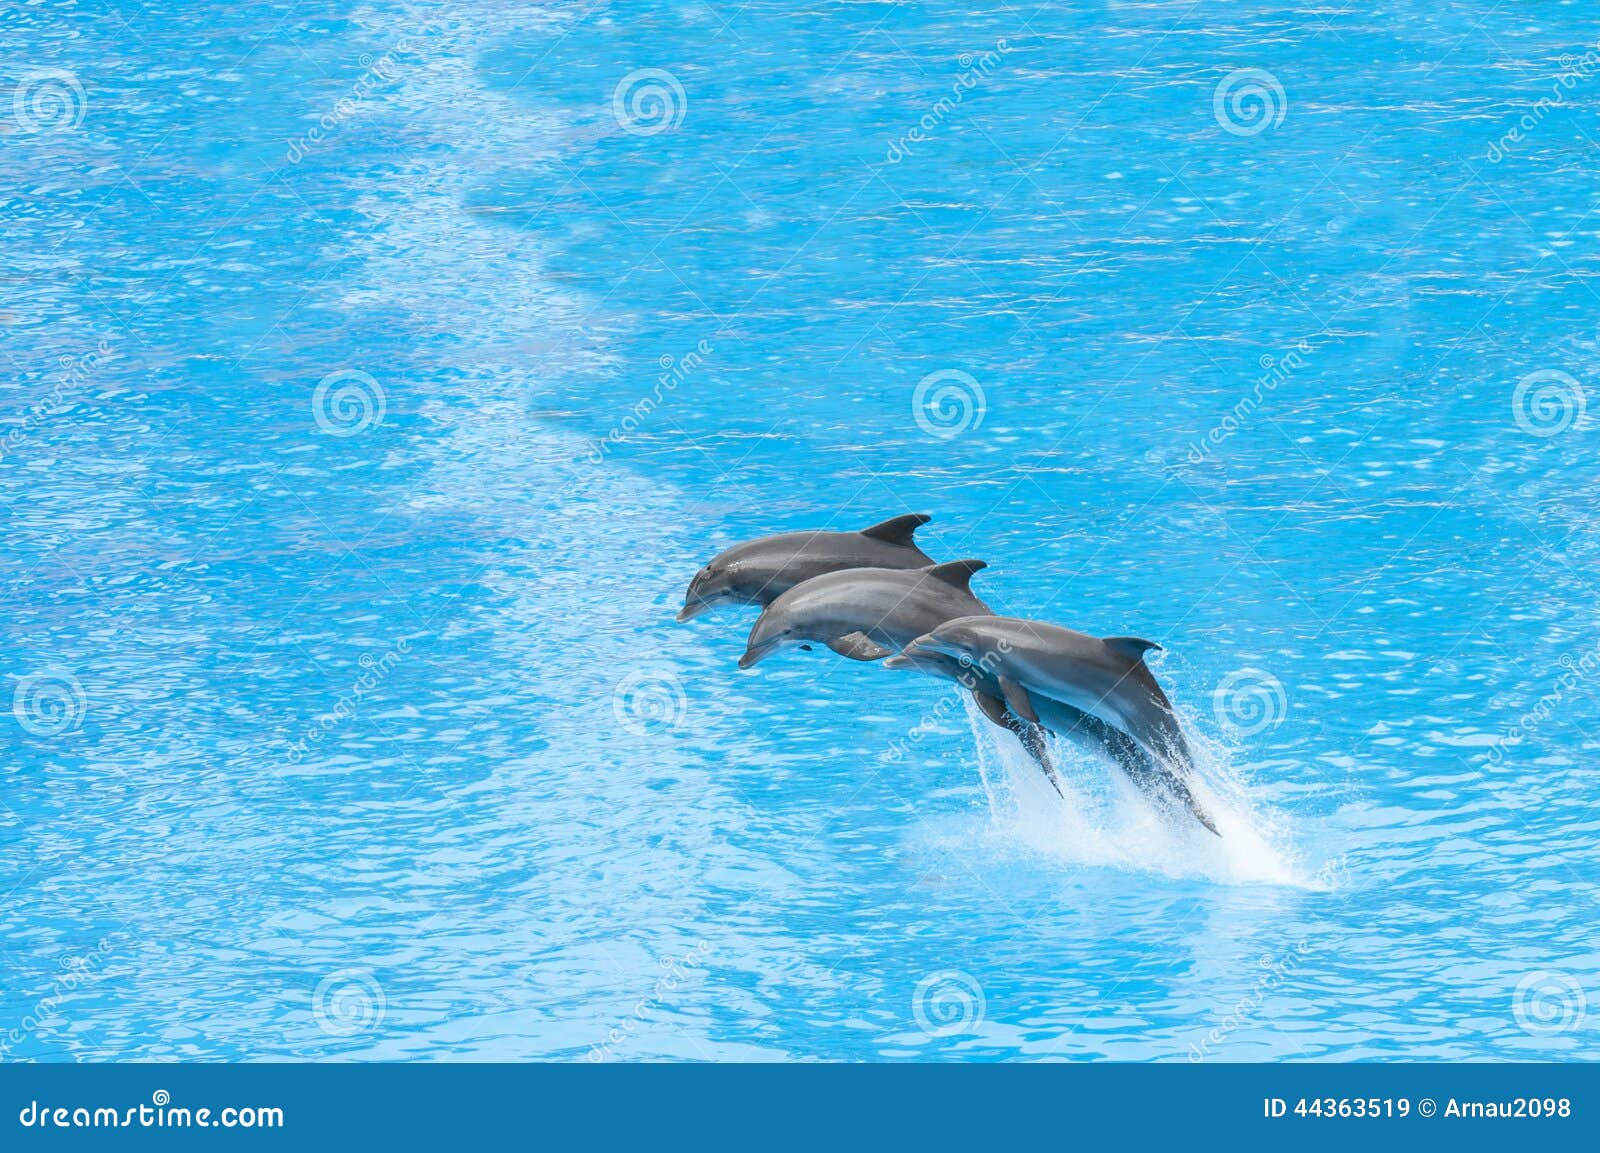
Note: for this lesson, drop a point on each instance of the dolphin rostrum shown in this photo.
(757, 572)
(1036, 663)
(867, 614)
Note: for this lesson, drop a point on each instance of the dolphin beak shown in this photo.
(757, 653)
(898, 661)
(692, 609)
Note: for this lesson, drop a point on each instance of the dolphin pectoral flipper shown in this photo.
(858, 647)
(1017, 698)
(992, 707)
(1031, 735)
(898, 529)
(1033, 740)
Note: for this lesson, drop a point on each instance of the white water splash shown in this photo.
(1103, 819)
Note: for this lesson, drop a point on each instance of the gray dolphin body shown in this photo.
(758, 572)
(1040, 664)
(868, 614)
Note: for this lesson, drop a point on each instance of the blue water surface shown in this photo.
(376, 375)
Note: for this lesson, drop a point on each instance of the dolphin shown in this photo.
(867, 614)
(1085, 730)
(759, 571)
(1036, 663)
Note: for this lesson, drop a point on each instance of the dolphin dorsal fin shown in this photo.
(1131, 647)
(957, 573)
(898, 529)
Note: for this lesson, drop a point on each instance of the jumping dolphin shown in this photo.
(757, 572)
(1107, 678)
(867, 614)
(1088, 732)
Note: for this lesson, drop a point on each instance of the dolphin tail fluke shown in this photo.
(1155, 776)
(1179, 788)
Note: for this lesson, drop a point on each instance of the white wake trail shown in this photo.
(1103, 819)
